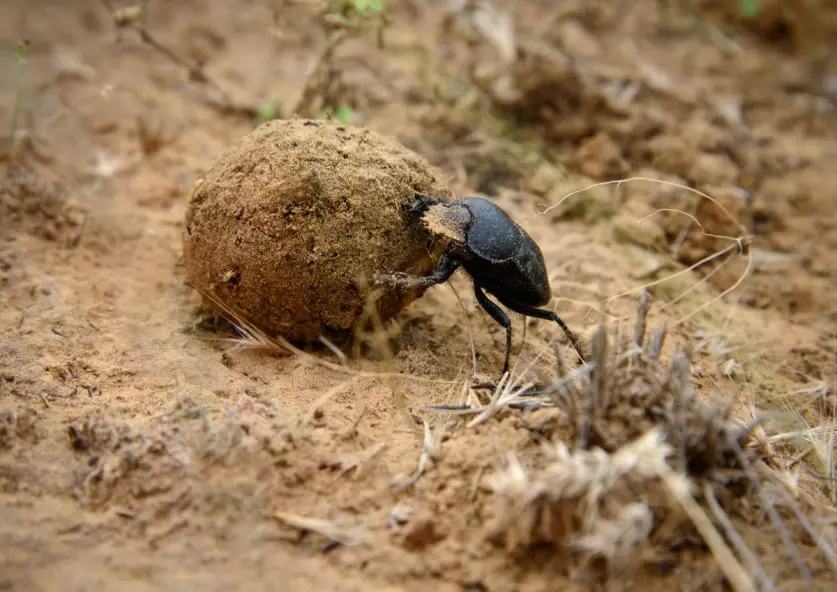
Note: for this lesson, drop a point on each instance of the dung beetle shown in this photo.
(498, 255)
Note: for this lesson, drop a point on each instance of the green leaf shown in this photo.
(22, 52)
(344, 114)
(368, 5)
(267, 112)
(749, 8)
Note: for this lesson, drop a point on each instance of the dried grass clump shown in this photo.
(578, 497)
(630, 391)
(650, 463)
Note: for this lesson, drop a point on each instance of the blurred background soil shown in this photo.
(140, 451)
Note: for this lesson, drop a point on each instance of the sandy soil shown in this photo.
(141, 448)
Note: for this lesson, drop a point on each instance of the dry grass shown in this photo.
(338, 533)
(639, 429)
(250, 336)
(739, 245)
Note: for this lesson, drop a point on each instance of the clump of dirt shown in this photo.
(548, 91)
(124, 464)
(30, 200)
(292, 220)
(20, 425)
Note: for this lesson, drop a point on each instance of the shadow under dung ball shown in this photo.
(290, 222)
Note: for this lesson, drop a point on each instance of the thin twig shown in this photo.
(641, 318)
(311, 83)
(735, 573)
(733, 535)
(770, 508)
(428, 452)
(136, 19)
(322, 399)
(822, 543)
(328, 529)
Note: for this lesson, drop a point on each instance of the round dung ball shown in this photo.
(291, 222)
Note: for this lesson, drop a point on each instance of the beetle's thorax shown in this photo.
(447, 221)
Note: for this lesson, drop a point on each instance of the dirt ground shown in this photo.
(142, 447)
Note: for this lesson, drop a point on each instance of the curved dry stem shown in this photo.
(323, 399)
(739, 242)
(735, 573)
(690, 289)
(619, 182)
(692, 218)
(692, 267)
(334, 349)
(720, 296)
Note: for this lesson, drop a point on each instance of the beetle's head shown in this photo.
(419, 204)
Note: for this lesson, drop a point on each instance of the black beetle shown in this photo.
(498, 255)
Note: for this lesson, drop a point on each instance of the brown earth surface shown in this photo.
(145, 445)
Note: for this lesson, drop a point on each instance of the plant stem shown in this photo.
(21, 57)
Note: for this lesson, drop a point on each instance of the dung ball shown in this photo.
(291, 222)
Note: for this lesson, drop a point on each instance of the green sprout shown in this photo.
(266, 112)
(343, 114)
(749, 8)
(368, 5)
(21, 55)
(22, 52)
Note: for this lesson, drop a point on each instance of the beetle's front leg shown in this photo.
(444, 269)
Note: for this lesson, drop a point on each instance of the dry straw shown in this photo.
(640, 429)
(738, 244)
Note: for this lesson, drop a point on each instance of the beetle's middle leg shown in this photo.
(444, 269)
(498, 315)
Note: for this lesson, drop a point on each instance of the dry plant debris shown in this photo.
(641, 457)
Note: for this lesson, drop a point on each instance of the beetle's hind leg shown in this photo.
(548, 315)
(498, 315)
(444, 269)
